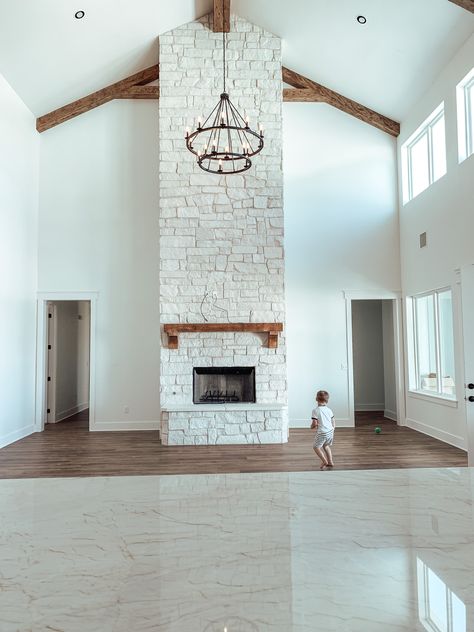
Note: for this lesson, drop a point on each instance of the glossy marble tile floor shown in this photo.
(372, 551)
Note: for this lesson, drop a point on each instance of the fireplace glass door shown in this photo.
(223, 385)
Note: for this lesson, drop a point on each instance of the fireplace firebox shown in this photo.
(223, 385)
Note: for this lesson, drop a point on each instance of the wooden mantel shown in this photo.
(271, 329)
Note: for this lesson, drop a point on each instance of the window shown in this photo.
(439, 609)
(431, 338)
(465, 104)
(424, 155)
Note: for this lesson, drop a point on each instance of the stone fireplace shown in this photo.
(221, 245)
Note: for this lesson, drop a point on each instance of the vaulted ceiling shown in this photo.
(50, 58)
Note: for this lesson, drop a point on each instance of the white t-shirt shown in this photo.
(324, 416)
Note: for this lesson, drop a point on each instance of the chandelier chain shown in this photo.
(224, 143)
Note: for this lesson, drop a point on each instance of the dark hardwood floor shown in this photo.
(69, 449)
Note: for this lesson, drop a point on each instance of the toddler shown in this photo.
(322, 418)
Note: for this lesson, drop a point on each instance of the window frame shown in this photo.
(465, 117)
(415, 377)
(425, 128)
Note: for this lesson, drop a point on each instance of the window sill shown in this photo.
(434, 399)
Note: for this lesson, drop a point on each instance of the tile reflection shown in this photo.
(439, 608)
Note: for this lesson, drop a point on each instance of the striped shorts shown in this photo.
(323, 438)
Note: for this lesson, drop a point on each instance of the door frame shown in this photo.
(465, 274)
(378, 295)
(43, 298)
(51, 359)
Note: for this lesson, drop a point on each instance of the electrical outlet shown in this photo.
(126, 410)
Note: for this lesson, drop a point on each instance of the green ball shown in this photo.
(378, 429)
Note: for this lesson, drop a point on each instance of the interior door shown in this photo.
(51, 365)
(467, 285)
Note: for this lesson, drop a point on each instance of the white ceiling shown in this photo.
(50, 58)
(387, 64)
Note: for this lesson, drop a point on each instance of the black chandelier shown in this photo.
(224, 142)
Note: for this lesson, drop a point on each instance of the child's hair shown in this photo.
(322, 396)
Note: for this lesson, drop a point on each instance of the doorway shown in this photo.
(375, 366)
(65, 360)
(373, 361)
(68, 361)
(467, 300)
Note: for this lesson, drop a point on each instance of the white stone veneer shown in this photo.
(221, 233)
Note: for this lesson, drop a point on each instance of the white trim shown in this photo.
(390, 414)
(368, 295)
(41, 356)
(365, 408)
(400, 373)
(436, 433)
(434, 399)
(16, 435)
(350, 360)
(105, 426)
(65, 414)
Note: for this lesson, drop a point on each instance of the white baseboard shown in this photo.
(102, 426)
(305, 423)
(65, 414)
(436, 433)
(16, 435)
(365, 408)
(390, 414)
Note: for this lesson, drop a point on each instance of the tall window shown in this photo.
(465, 104)
(424, 155)
(432, 341)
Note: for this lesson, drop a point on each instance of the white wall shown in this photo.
(389, 369)
(445, 212)
(72, 357)
(18, 264)
(368, 358)
(341, 233)
(98, 232)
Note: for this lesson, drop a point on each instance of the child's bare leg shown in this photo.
(328, 453)
(322, 456)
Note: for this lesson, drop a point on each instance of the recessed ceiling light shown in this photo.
(80, 14)
(361, 19)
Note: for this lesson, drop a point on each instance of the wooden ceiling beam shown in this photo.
(301, 95)
(100, 97)
(139, 92)
(305, 89)
(221, 21)
(464, 4)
